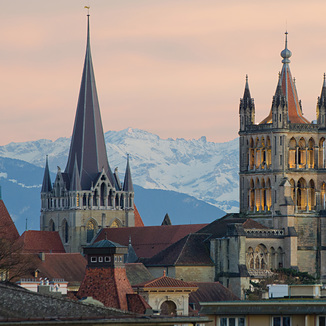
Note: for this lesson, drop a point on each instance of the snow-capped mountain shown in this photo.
(205, 170)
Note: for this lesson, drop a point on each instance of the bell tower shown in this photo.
(283, 170)
(86, 196)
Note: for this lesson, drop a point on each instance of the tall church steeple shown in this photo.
(87, 142)
(86, 196)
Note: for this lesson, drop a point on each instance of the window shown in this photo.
(281, 321)
(322, 320)
(93, 259)
(232, 321)
(90, 231)
(107, 259)
(100, 259)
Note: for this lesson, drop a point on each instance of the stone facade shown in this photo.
(283, 177)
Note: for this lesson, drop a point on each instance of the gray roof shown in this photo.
(87, 142)
(127, 184)
(46, 185)
(106, 244)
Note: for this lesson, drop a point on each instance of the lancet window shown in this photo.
(260, 195)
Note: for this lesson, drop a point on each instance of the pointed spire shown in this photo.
(246, 93)
(166, 220)
(46, 185)
(75, 179)
(87, 142)
(127, 184)
(322, 99)
(287, 85)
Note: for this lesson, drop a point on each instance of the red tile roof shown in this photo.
(251, 224)
(166, 282)
(138, 219)
(149, 240)
(8, 229)
(41, 241)
(107, 285)
(137, 304)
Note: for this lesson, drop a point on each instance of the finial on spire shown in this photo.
(286, 53)
(87, 7)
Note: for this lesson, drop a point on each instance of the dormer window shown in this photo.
(100, 259)
(93, 259)
(107, 259)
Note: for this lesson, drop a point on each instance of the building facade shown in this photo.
(283, 177)
(86, 196)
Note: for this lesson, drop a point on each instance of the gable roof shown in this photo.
(166, 282)
(41, 241)
(8, 229)
(148, 240)
(190, 250)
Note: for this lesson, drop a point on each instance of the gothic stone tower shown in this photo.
(283, 169)
(87, 195)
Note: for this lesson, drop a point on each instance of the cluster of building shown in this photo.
(94, 249)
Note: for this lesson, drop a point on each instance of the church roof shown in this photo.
(148, 240)
(137, 273)
(41, 241)
(8, 229)
(87, 142)
(289, 91)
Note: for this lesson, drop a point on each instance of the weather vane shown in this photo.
(87, 7)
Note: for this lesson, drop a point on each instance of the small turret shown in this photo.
(127, 184)
(247, 108)
(46, 185)
(321, 106)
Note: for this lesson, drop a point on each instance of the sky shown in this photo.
(175, 68)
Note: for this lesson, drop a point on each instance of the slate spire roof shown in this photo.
(127, 184)
(289, 90)
(46, 185)
(322, 99)
(87, 142)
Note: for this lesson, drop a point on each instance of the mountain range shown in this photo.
(205, 171)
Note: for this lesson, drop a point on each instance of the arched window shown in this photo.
(260, 257)
(257, 195)
(279, 257)
(51, 225)
(272, 258)
(311, 157)
(250, 258)
(269, 152)
(292, 153)
(302, 153)
(168, 308)
(65, 231)
(251, 154)
(323, 195)
(90, 230)
(311, 196)
(252, 196)
(268, 194)
(302, 194)
(103, 193)
(292, 183)
(321, 156)
(263, 195)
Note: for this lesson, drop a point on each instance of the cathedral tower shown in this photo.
(87, 195)
(283, 169)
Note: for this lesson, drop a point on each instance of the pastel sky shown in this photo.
(172, 67)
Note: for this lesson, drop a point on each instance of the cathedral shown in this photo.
(86, 196)
(283, 178)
